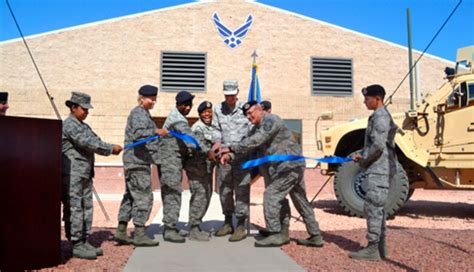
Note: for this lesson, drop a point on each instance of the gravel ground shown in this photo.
(434, 231)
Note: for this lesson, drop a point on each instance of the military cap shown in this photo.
(204, 105)
(266, 105)
(81, 99)
(148, 90)
(231, 87)
(183, 97)
(373, 90)
(3, 97)
(248, 105)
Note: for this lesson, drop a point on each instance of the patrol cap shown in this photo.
(374, 90)
(81, 99)
(183, 97)
(248, 105)
(204, 105)
(266, 105)
(231, 87)
(3, 97)
(148, 90)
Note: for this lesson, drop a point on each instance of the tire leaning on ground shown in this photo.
(351, 195)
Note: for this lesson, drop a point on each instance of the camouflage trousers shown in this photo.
(285, 213)
(200, 185)
(232, 179)
(170, 175)
(137, 200)
(280, 186)
(77, 207)
(376, 195)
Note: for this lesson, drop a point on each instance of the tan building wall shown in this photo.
(110, 60)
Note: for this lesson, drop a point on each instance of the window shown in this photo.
(471, 91)
(183, 71)
(295, 126)
(331, 76)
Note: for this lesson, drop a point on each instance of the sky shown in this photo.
(384, 19)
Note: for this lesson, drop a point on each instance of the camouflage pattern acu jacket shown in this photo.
(140, 126)
(79, 143)
(230, 126)
(271, 137)
(378, 155)
(171, 148)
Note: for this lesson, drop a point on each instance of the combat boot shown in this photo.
(196, 234)
(98, 250)
(172, 235)
(226, 228)
(371, 252)
(141, 240)
(313, 241)
(240, 232)
(121, 234)
(79, 250)
(383, 247)
(273, 240)
(285, 229)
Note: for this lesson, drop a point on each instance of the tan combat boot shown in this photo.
(371, 252)
(121, 234)
(226, 228)
(240, 232)
(273, 240)
(141, 240)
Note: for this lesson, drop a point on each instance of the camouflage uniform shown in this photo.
(379, 161)
(230, 126)
(199, 170)
(173, 151)
(272, 136)
(79, 143)
(137, 201)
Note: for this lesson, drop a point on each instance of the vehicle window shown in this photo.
(471, 91)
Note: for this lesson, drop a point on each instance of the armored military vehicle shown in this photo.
(434, 144)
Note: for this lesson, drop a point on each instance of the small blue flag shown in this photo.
(254, 92)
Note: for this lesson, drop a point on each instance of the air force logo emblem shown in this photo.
(232, 38)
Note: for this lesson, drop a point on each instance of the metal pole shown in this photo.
(410, 61)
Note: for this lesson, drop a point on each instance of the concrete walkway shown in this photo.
(216, 255)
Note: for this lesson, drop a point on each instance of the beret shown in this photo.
(373, 90)
(148, 90)
(204, 105)
(183, 97)
(248, 105)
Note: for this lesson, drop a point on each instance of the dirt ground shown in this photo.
(434, 231)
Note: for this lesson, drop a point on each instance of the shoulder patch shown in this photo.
(268, 125)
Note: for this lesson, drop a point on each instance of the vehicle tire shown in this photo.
(351, 195)
(410, 193)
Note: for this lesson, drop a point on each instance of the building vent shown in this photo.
(183, 71)
(331, 76)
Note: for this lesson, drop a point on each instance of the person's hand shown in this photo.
(161, 131)
(225, 158)
(216, 147)
(224, 150)
(211, 155)
(116, 149)
(356, 157)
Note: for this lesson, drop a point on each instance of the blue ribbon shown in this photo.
(178, 135)
(186, 138)
(141, 142)
(270, 158)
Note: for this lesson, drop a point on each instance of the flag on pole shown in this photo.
(254, 92)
